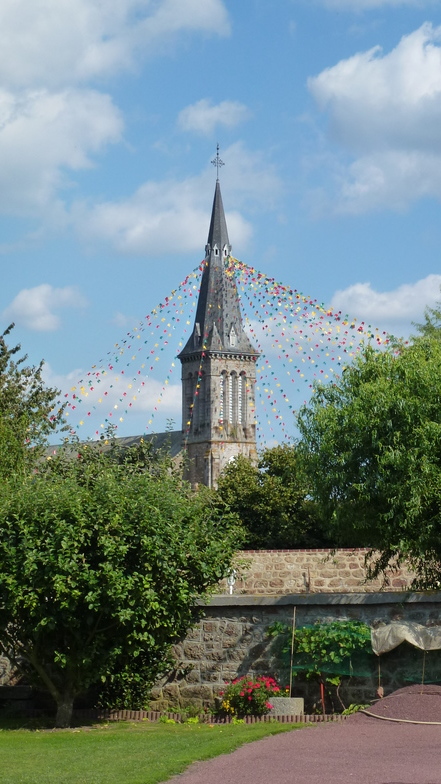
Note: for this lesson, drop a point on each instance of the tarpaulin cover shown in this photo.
(386, 638)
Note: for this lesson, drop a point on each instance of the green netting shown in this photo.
(359, 666)
(320, 649)
(407, 664)
(401, 666)
(336, 648)
(344, 650)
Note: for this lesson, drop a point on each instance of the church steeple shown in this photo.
(218, 366)
(218, 324)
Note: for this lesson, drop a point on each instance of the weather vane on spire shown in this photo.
(217, 162)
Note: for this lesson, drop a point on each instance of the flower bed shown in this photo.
(250, 696)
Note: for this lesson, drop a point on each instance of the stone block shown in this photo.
(211, 678)
(237, 655)
(171, 692)
(229, 644)
(178, 651)
(287, 706)
(210, 637)
(398, 583)
(194, 676)
(276, 583)
(231, 630)
(193, 651)
(214, 656)
(194, 635)
(202, 692)
(213, 667)
(210, 626)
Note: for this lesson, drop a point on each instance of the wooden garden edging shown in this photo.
(204, 718)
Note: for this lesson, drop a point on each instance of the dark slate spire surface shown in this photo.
(218, 324)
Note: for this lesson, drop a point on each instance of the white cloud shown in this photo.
(42, 134)
(385, 109)
(203, 117)
(391, 179)
(50, 122)
(394, 310)
(58, 42)
(37, 308)
(364, 5)
(160, 218)
(171, 216)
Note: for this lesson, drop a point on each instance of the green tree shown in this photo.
(29, 410)
(372, 447)
(431, 326)
(102, 562)
(271, 500)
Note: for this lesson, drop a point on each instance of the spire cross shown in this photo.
(217, 162)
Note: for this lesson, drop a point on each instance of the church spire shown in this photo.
(218, 323)
(218, 232)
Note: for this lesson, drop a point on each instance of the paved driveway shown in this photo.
(361, 749)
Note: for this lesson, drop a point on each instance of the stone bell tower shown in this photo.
(218, 367)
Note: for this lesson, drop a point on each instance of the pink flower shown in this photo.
(269, 706)
(250, 698)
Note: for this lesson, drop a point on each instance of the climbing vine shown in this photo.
(326, 652)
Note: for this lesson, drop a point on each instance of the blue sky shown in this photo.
(328, 114)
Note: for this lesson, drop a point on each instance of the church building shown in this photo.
(218, 372)
(218, 367)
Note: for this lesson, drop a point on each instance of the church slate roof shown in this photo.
(169, 442)
(218, 324)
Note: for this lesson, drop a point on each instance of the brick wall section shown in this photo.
(272, 572)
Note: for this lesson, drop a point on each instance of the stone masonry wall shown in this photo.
(231, 640)
(272, 572)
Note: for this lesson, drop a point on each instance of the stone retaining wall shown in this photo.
(231, 640)
(276, 572)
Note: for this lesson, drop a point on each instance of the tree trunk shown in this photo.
(64, 710)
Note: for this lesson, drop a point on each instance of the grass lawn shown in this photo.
(126, 753)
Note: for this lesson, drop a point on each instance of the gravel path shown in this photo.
(361, 749)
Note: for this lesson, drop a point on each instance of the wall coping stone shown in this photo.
(383, 597)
